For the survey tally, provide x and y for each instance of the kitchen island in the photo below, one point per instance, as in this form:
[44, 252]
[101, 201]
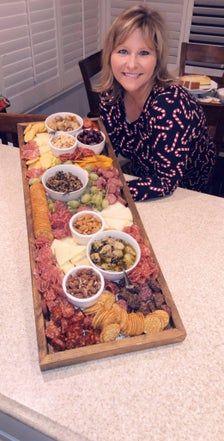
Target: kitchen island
[172, 393]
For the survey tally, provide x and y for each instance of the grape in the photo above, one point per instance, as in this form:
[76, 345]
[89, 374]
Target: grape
[93, 189]
[98, 199]
[89, 168]
[98, 207]
[105, 203]
[93, 176]
[50, 205]
[85, 198]
[33, 180]
[73, 204]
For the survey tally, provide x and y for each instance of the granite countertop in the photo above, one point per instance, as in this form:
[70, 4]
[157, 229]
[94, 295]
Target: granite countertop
[172, 392]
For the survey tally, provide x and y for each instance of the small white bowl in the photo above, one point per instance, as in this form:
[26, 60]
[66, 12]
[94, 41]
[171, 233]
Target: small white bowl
[64, 115]
[60, 149]
[66, 168]
[80, 238]
[96, 148]
[82, 302]
[114, 275]
[220, 93]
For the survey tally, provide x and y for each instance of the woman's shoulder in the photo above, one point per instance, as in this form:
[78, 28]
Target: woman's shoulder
[173, 94]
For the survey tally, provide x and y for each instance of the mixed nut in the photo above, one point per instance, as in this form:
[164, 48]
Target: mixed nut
[85, 283]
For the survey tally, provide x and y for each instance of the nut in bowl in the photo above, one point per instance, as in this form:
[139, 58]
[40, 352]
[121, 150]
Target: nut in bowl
[64, 122]
[62, 143]
[83, 286]
[65, 182]
[92, 139]
[111, 252]
[85, 224]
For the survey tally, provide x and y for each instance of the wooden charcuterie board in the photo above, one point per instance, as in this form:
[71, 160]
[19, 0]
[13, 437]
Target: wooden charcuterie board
[49, 359]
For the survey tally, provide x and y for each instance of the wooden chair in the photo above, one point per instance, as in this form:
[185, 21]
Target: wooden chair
[202, 55]
[89, 67]
[8, 125]
[193, 54]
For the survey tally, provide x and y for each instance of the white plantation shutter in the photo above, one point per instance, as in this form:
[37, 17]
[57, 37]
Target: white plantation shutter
[173, 12]
[80, 33]
[41, 42]
[207, 24]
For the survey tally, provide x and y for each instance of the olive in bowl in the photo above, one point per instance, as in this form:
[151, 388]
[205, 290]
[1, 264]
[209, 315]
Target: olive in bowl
[112, 252]
[85, 224]
[83, 285]
[91, 139]
[64, 122]
[62, 143]
[65, 182]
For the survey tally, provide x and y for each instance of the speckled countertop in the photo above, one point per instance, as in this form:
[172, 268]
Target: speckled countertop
[172, 393]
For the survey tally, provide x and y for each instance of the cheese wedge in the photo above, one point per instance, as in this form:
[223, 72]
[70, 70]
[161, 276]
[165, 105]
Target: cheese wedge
[65, 251]
[66, 267]
[117, 210]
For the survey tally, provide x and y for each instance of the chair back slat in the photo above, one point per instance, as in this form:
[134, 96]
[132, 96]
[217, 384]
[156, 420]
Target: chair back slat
[201, 53]
[213, 56]
[89, 67]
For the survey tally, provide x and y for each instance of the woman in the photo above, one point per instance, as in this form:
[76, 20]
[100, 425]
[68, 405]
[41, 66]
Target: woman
[150, 120]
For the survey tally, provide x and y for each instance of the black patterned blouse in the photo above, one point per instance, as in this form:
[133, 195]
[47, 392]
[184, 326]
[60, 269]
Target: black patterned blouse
[168, 145]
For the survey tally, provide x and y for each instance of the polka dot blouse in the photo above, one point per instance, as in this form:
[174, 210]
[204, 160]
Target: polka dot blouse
[168, 145]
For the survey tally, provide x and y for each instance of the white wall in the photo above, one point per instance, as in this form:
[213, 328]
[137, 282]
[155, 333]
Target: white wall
[75, 100]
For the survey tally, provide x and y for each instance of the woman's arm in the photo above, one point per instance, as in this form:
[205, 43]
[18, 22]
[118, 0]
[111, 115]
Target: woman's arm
[172, 123]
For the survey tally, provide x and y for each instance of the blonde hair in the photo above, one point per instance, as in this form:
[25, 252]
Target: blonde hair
[153, 28]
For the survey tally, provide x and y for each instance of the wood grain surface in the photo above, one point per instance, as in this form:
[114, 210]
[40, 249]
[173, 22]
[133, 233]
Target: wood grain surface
[49, 359]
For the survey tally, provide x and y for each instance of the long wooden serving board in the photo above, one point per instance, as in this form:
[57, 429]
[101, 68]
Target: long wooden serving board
[48, 360]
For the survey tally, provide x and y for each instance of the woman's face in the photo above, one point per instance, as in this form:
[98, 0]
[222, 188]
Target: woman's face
[133, 63]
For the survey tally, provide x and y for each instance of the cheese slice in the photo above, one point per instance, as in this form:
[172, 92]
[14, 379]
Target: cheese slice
[118, 211]
[42, 142]
[46, 160]
[62, 251]
[79, 255]
[83, 261]
[67, 250]
[117, 224]
[66, 267]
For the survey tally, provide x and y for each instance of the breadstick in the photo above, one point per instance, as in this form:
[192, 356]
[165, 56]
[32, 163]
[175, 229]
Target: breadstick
[41, 222]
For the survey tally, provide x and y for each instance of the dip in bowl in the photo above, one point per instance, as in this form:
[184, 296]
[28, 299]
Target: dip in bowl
[65, 182]
[111, 252]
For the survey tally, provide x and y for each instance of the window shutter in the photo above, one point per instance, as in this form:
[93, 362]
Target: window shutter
[41, 42]
[28, 53]
[79, 35]
[208, 22]
[172, 11]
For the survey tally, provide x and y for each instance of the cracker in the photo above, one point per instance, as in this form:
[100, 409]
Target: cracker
[152, 324]
[163, 316]
[110, 332]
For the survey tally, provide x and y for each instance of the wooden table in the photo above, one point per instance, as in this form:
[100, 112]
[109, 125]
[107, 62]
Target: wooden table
[174, 392]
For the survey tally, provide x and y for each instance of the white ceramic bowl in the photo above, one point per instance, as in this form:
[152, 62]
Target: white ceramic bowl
[96, 148]
[220, 93]
[80, 238]
[60, 148]
[82, 302]
[64, 115]
[114, 275]
[66, 168]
